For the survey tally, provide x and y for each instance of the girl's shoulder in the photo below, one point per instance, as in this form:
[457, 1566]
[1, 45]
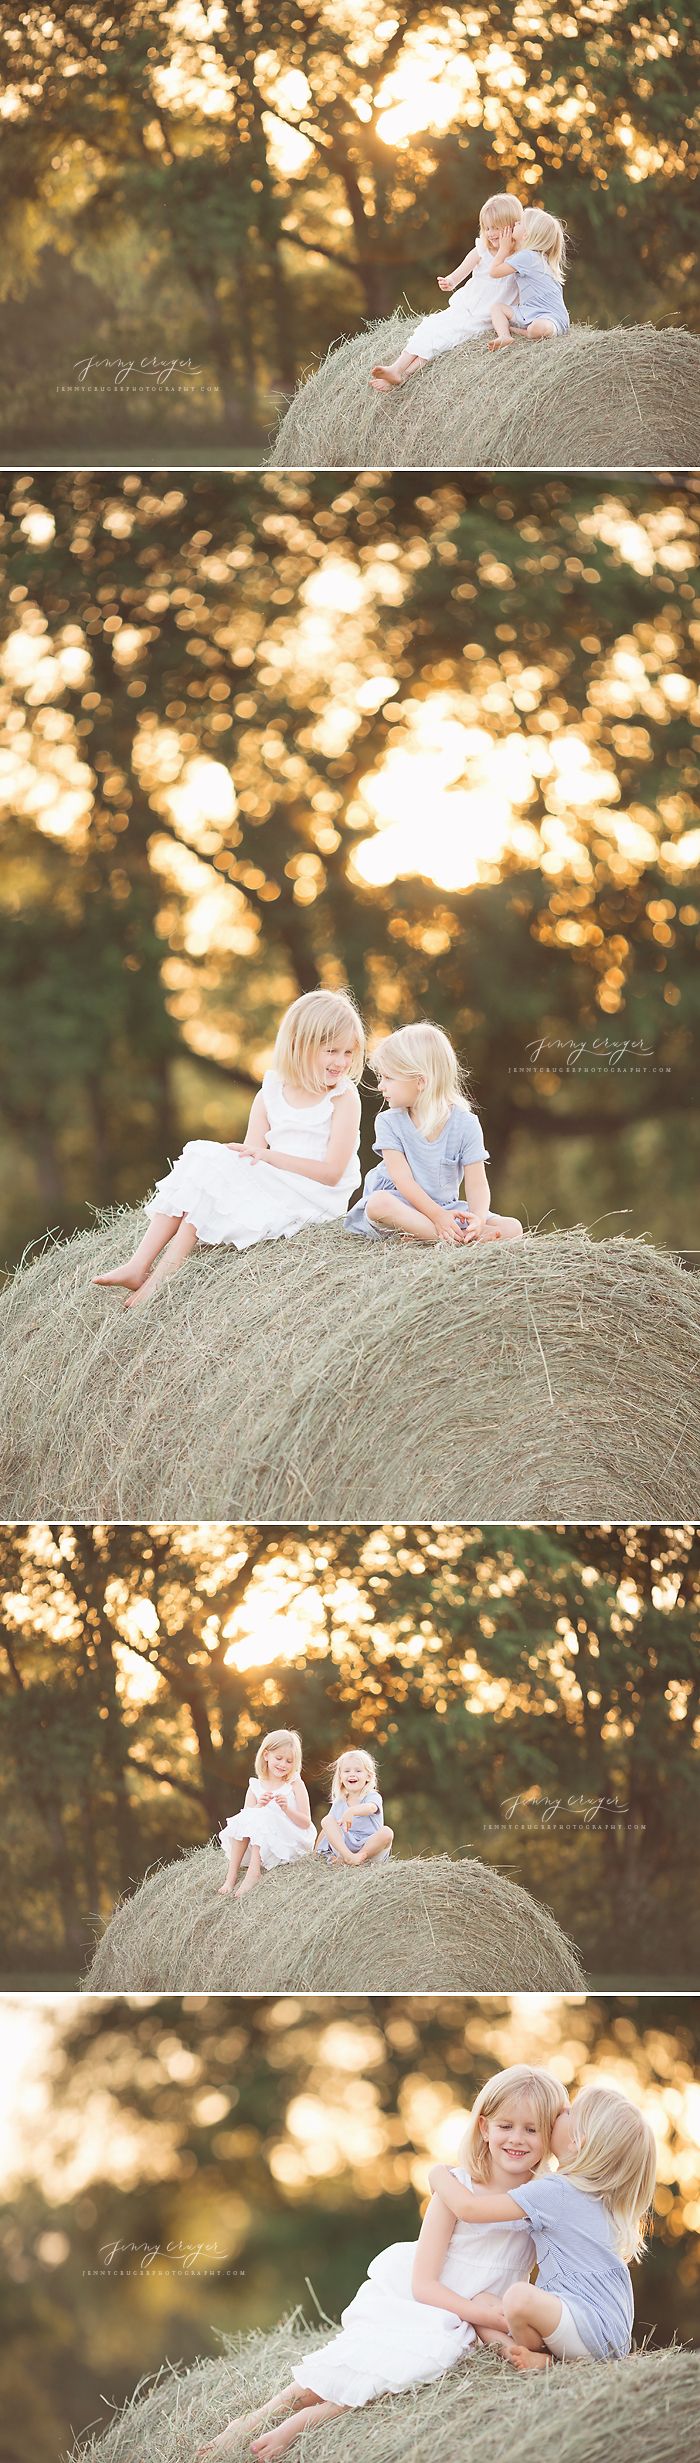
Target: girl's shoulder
[346, 1087]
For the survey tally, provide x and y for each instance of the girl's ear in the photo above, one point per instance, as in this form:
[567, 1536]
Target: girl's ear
[483, 2125]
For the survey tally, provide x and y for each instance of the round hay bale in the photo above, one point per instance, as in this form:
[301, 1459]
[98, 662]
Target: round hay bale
[628, 399]
[644, 2406]
[425, 1924]
[327, 1378]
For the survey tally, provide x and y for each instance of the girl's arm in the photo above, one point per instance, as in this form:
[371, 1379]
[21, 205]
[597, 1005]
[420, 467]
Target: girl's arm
[403, 1180]
[447, 281]
[300, 1812]
[492, 2206]
[500, 264]
[478, 1196]
[343, 1137]
[433, 2244]
[254, 1142]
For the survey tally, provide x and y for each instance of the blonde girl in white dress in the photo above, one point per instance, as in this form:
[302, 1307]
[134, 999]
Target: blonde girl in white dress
[470, 311]
[275, 1826]
[298, 1162]
[425, 2303]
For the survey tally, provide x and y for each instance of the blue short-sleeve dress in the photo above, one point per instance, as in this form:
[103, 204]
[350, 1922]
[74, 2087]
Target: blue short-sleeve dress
[437, 1163]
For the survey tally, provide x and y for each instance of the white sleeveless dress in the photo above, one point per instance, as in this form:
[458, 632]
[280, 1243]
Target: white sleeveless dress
[389, 2340]
[279, 1841]
[229, 1200]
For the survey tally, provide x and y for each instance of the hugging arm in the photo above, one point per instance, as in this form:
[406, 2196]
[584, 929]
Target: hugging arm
[488, 2206]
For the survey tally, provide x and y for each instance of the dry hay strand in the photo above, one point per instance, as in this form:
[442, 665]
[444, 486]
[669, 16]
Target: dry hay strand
[426, 1924]
[589, 2412]
[626, 399]
[329, 1378]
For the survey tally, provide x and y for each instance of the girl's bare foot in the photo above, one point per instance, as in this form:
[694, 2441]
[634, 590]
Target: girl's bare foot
[521, 2358]
[276, 2441]
[218, 2445]
[383, 378]
[127, 1275]
[248, 1884]
[226, 1891]
[501, 342]
[143, 1291]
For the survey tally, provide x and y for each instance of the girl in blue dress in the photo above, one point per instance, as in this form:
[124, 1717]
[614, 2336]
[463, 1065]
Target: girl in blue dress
[587, 2220]
[355, 1832]
[431, 1145]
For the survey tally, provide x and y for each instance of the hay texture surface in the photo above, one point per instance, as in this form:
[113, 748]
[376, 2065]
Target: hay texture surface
[423, 1925]
[642, 2410]
[628, 399]
[332, 1378]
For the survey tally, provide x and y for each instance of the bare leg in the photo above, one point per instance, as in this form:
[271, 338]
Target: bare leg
[161, 1229]
[531, 2315]
[253, 1874]
[541, 330]
[500, 319]
[235, 1861]
[376, 1845]
[252, 2420]
[397, 1215]
[179, 1249]
[397, 371]
[277, 2440]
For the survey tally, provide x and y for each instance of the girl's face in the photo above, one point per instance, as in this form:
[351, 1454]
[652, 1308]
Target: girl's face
[352, 1775]
[335, 1061]
[515, 2139]
[492, 236]
[399, 1093]
[562, 2135]
[519, 234]
[279, 1763]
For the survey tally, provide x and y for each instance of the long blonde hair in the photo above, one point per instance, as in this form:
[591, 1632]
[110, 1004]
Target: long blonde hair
[499, 213]
[355, 1754]
[423, 1051]
[310, 1024]
[278, 1736]
[534, 2086]
[613, 2157]
[548, 236]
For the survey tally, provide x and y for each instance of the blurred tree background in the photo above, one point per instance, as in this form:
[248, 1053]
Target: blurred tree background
[211, 182]
[432, 737]
[268, 2142]
[533, 1697]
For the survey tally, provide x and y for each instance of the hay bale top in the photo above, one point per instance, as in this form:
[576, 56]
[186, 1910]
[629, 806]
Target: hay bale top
[415, 1925]
[627, 399]
[644, 2407]
[328, 1378]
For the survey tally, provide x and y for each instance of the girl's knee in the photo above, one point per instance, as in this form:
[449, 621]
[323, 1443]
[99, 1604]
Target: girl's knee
[514, 2297]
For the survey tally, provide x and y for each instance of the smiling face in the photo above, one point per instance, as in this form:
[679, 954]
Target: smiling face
[515, 2140]
[352, 1775]
[280, 1764]
[336, 1060]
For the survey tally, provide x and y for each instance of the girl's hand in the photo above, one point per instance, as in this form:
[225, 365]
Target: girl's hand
[448, 1229]
[446, 282]
[472, 1230]
[253, 1153]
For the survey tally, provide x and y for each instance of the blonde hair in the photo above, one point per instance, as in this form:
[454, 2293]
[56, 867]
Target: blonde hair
[423, 1051]
[354, 1753]
[519, 2083]
[543, 232]
[308, 1027]
[500, 212]
[613, 2157]
[278, 1736]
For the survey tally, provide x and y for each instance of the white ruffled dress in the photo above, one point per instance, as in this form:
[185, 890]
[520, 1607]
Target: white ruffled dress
[231, 1201]
[266, 1827]
[468, 313]
[389, 2340]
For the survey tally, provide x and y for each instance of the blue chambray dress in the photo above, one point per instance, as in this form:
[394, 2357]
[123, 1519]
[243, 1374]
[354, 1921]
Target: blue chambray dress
[437, 1163]
[578, 2262]
[364, 1823]
[539, 294]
